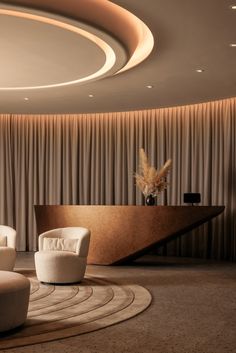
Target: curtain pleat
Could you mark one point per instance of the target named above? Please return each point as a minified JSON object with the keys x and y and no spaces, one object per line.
{"x":92,"y":158}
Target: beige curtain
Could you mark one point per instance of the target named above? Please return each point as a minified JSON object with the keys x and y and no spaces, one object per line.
{"x":91,"y":159}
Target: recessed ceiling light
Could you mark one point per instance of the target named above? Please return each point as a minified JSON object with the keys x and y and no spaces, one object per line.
{"x":91,"y":95}
{"x":233,"y":7}
{"x":26,"y":99}
{"x":233,"y":45}
{"x":149,"y":86}
{"x":199,"y":70}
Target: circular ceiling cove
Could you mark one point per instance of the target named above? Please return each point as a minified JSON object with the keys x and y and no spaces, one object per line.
{"x":47,"y":50}
{"x":50,"y":51}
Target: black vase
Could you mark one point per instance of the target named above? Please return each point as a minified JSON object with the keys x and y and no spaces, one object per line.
{"x":150,"y":200}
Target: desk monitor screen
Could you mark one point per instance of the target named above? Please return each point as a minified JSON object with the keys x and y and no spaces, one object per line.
{"x":192,"y":197}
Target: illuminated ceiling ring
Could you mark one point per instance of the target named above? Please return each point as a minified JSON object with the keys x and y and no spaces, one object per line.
{"x":120,"y":53}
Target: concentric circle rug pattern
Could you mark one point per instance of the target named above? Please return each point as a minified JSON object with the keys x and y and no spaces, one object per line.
{"x":60,"y":311}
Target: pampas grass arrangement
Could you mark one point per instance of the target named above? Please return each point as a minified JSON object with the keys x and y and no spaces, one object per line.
{"x":149,"y":180}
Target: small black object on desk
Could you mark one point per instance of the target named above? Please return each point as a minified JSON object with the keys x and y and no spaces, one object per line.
{"x":192,"y":197}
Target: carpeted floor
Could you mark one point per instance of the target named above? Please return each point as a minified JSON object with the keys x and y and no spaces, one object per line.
{"x":60,"y":311}
{"x":193,"y":310}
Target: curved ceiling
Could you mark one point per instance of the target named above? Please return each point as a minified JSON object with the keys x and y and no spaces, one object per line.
{"x":47,"y":68}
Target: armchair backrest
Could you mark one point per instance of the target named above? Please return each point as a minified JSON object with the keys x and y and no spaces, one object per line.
{"x":10,"y":234}
{"x":80,"y":233}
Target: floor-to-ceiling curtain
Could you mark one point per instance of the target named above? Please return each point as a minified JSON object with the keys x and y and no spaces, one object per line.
{"x":91,"y":159}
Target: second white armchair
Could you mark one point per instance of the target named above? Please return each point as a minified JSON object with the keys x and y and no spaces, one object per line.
{"x":62,"y":255}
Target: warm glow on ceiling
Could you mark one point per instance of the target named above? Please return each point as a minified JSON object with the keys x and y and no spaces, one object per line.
{"x":124,"y":40}
{"x":108,"y":51}
{"x":145,"y":42}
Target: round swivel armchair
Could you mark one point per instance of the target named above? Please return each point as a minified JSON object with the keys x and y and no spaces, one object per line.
{"x":7,"y":248}
{"x":62,"y":255}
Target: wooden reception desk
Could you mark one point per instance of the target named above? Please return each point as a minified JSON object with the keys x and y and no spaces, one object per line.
{"x":119,"y":233}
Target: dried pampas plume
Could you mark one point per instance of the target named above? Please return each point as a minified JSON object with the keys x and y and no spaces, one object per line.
{"x":149,"y":180}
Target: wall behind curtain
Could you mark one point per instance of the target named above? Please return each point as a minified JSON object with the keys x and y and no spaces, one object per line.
{"x":91,"y":159}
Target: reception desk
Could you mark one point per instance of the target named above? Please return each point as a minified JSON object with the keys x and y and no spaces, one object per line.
{"x":119,"y":233}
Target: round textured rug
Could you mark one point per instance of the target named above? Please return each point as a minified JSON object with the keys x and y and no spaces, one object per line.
{"x":60,"y":311}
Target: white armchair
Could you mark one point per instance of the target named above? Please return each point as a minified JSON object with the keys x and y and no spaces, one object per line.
{"x":62,"y":255}
{"x":7,"y":248}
